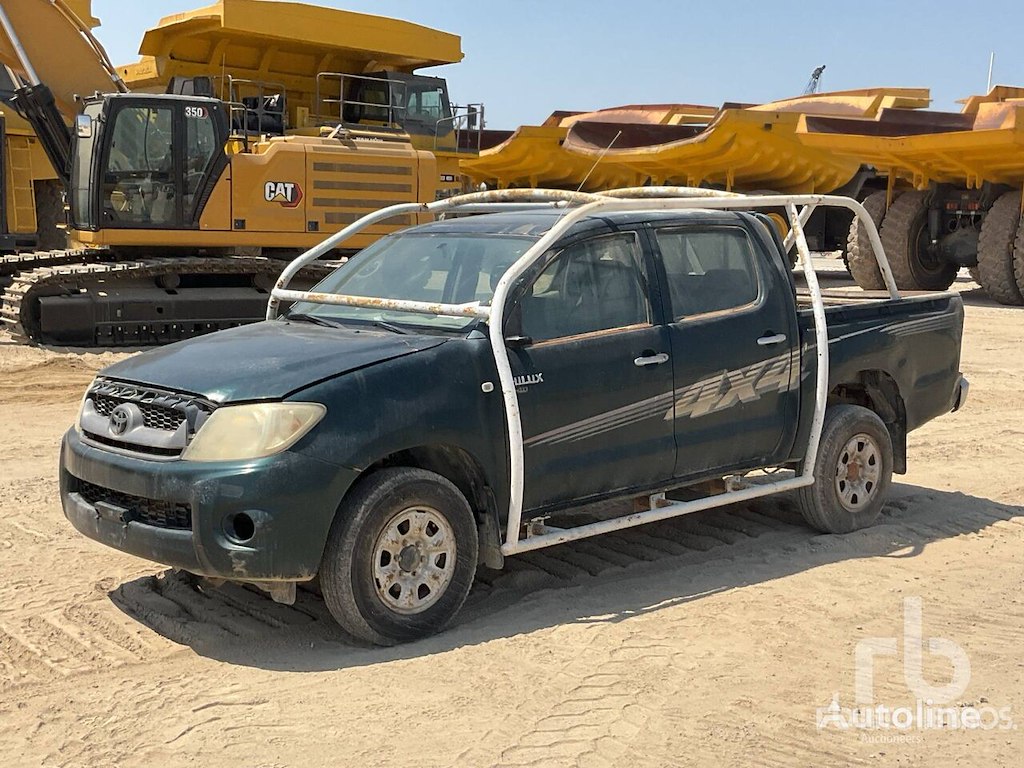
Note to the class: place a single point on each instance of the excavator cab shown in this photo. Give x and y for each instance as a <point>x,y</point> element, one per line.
<point>146,161</point>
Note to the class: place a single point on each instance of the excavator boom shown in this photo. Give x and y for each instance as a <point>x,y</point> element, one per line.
<point>47,45</point>
<point>45,41</point>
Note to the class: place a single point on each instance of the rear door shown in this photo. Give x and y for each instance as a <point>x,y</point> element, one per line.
<point>593,373</point>
<point>734,348</point>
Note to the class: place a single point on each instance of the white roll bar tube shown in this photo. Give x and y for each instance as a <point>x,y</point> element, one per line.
<point>639,199</point>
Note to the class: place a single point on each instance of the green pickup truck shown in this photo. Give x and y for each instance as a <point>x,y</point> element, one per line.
<point>436,402</point>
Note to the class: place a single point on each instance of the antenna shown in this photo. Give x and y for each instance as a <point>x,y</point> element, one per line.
<point>815,82</point>
<point>599,159</point>
<point>991,63</point>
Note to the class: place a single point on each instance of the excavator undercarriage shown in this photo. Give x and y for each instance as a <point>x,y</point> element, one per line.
<point>91,297</point>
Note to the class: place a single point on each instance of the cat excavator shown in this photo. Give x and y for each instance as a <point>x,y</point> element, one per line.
<point>183,203</point>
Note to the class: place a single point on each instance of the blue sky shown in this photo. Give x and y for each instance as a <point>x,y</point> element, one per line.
<point>526,58</point>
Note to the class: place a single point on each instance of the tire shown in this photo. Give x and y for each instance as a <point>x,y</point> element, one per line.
<point>50,235</point>
<point>996,250</point>
<point>367,537</point>
<point>975,274</point>
<point>1018,257</point>
<point>905,239</point>
<point>853,439</point>
<point>860,257</point>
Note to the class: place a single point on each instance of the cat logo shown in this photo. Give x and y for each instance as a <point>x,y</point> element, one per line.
<point>287,193</point>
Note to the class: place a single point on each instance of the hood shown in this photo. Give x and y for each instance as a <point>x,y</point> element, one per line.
<point>264,361</point>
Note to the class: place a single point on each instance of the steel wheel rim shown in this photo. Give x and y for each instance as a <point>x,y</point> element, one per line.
<point>414,560</point>
<point>927,261</point>
<point>858,470</point>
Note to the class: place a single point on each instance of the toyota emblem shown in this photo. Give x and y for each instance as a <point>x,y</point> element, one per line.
<point>120,418</point>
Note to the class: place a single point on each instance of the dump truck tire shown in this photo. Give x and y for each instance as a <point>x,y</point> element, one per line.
<point>975,274</point>
<point>904,237</point>
<point>860,258</point>
<point>996,247</point>
<point>1018,257</point>
<point>50,235</point>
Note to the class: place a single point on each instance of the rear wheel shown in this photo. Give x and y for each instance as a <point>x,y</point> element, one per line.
<point>915,264</point>
<point>996,247</point>
<point>975,274</point>
<point>852,472</point>
<point>400,557</point>
<point>860,257</point>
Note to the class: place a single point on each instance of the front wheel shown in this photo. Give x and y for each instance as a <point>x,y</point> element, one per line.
<point>852,472</point>
<point>400,557</point>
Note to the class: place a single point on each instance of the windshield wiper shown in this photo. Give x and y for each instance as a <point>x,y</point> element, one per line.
<point>389,326</point>
<point>321,321</point>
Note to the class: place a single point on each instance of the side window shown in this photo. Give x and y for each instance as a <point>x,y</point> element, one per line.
<point>708,270</point>
<point>200,145</point>
<point>590,286</point>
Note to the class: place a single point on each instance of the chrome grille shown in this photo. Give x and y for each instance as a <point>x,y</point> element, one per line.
<point>156,416</point>
<point>160,423</point>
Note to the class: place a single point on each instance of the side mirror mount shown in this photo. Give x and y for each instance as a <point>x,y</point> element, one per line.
<point>518,341</point>
<point>513,331</point>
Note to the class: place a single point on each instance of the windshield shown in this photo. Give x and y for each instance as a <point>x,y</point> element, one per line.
<point>419,266</point>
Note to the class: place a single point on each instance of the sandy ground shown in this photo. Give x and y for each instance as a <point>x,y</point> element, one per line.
<point>711,640</point>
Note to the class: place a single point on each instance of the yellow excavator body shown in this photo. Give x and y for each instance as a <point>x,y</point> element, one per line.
<point>285,193</point>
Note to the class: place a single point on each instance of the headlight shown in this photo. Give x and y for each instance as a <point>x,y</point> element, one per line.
<point>240,432</point>
<point>81,407</point>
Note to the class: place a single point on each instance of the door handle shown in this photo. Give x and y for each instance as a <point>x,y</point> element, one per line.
<point>657,359</point>
<point>768,341</point>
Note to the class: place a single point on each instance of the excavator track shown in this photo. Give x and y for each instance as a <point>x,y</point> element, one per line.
<point>64,299</point>
<point>13,263</point>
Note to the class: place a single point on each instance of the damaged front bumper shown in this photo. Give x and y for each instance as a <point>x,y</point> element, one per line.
<point>264,521</point>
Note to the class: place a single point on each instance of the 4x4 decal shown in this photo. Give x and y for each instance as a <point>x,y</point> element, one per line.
<point>711,395</point>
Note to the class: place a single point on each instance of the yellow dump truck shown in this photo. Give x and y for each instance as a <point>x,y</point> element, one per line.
<point>953,192</point>
<point>744,148</point>
<point>318,60</point>
<point>187,199</point>
<point>31,202</point>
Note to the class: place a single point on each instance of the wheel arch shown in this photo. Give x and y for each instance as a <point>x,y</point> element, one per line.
<point>878,391</point>
<point>465,472</point>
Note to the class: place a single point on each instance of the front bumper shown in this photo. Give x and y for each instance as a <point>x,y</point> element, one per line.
<point>290,498</point>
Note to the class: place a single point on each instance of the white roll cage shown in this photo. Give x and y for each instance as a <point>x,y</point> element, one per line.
<point>578,205</point>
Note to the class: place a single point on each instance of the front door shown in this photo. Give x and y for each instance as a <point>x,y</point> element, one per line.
<point>734,349</point>
<point>593,373</point>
